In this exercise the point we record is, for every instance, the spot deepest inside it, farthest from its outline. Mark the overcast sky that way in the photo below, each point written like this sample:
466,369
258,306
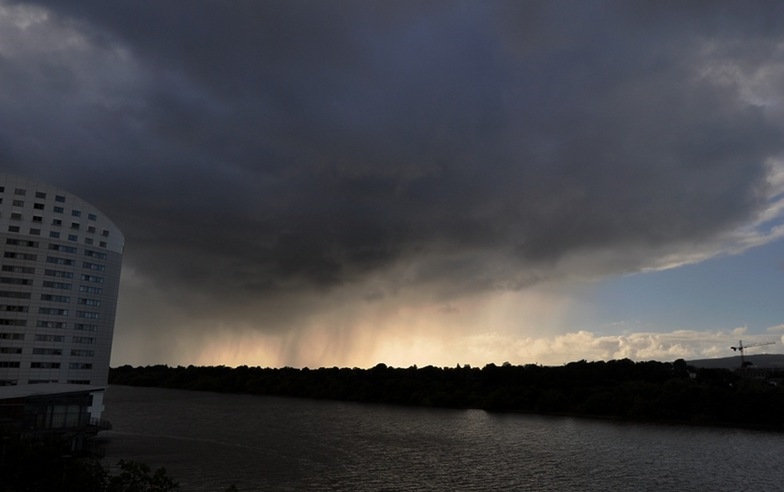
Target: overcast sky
344,183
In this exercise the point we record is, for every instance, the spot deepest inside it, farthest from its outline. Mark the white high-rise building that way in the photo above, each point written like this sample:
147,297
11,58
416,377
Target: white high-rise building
60,261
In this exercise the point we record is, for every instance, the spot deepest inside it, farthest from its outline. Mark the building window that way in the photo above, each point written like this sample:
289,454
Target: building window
56,285
86,340
92,278
47,351
45,365
38,206
76,213
59,198
80,365
73,237
16,216
10,350
93,266
20,192
58,210
7,363
20,256
83,353
95,254
14,295
17,269
15,281
89,302
105,233
55,298
18,203
89,289
53,311
40,194
54,234
50,324
13,228
58,273
21,242
59,261
64,249
37,218
49,338
86,314
35,232
13,309
88,240
102,244
75,225
11,336
85,327
90,229
92,217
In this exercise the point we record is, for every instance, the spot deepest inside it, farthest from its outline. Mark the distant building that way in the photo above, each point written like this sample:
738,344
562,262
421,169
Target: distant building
60,261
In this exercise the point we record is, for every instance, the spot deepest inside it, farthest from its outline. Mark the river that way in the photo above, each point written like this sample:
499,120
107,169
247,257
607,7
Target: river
208,441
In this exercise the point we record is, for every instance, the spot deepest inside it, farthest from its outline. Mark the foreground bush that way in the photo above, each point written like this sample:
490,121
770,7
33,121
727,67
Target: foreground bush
47,466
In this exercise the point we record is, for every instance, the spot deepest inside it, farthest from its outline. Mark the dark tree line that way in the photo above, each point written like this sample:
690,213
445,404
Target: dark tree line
643,391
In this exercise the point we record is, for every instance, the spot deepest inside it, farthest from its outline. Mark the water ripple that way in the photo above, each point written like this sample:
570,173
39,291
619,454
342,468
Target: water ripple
208,441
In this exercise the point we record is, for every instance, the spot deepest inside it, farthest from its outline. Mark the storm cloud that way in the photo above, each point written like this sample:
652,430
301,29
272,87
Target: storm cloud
258,154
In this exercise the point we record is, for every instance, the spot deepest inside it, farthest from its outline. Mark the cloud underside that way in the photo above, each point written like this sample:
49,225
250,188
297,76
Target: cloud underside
264,153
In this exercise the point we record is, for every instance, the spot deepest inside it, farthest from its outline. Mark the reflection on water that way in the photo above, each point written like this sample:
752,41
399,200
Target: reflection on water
208,441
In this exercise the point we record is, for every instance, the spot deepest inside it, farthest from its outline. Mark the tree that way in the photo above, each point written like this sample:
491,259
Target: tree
33,465
137,477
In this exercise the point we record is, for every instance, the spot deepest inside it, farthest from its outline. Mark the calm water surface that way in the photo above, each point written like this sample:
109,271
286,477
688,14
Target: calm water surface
208,441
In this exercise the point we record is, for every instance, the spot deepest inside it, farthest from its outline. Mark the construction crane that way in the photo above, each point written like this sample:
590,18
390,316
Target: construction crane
740,348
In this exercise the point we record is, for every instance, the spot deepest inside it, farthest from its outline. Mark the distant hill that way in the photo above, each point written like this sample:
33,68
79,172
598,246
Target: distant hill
757,360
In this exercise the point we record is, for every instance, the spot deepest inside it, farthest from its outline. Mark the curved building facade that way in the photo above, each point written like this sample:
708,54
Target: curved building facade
60,261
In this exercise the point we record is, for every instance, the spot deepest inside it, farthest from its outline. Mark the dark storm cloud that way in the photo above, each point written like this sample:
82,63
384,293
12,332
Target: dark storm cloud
251,148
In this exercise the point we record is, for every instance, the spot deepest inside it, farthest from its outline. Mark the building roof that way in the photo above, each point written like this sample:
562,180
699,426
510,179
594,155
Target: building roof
28,390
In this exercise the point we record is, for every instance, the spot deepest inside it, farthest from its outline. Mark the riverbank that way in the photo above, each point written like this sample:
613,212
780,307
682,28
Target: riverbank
620,389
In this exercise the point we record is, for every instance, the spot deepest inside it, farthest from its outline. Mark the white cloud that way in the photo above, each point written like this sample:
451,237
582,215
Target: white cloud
775,329
554,350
